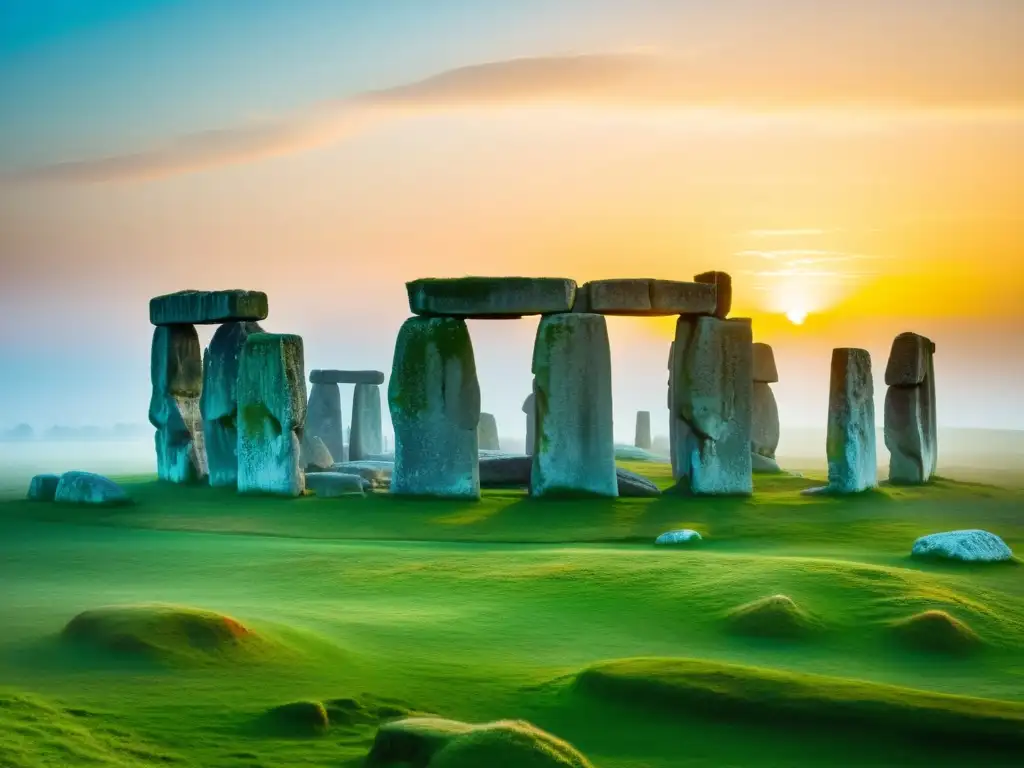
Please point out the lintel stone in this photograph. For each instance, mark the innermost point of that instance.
(646, 297)
(208, 307)
(346, 377)
(490, 297)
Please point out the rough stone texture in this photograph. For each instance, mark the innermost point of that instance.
(366, 437)
(487, 433)
(314, 455)
(176, 373)
(505, 471)
(763, 465)
(971, 546)
(632, 453)
(673, 418)
(43, 487)
(630, 484)
(908, 360)
(376, 473)
(87, 488)
(573, 381)
(931, 424)
(910, 457)
(712, 393)
(723, 286)
(645, 297)
(765, 432)
(530, 409)
(324, 419)
(491, 297)
(642, 437)
(330, 484)
(434, 398)
(218, 403)
(346, 377)
(207, 307)
(271, 414)
(765, 370)
(682, 536)
(852, 458)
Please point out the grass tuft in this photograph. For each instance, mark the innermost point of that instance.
(776, 617)
(936, 632)
(300, 719)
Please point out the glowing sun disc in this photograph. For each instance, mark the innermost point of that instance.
(796, 316)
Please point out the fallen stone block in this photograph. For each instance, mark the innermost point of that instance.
(333, 484)
(208, 307)
(490, 297)
(969, 546)
(630, 484)
(681, 536)
(505, 471)
(376, 473)
(89, 488)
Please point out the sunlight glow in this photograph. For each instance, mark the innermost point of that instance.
(796, 316)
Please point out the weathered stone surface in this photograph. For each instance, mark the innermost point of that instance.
(712, 393)
(632, 453)
(366, 437)
(642, 437)
(852, 457)
(971, 546)
(376, 473)
(271, 414)
(207, 307)
(723, 287)
(630, 484)
(218, 404)
(176, 373)
(314, 455)
(908, 360)
(910, 457)
(43, 487)
(331, 484)
(682, 536)
(324, 419)
(491, 297)
(763, 465)
(434, 398)
(530, 409)
(487, 433)
(505, 471)
(673, 418)
(572, 372)
(928, 409)
(331, 376)
(88, 488)
(765, 431)
(765, 370)
(646, 297)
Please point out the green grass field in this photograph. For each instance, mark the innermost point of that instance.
(797, 633)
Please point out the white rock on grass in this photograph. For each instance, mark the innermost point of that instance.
(970, 546)
(87, 488)
(682, 536)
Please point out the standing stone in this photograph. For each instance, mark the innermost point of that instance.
(323, 417)
(271, 414)
(366, 437)
(487, 432)
(765, 430)
(712, 392)
(852, 458)
(575, 450)
(176, 371)
(434, 399)
(642, 438)
(530, 409)
(910, 430)
(673, 419)
(219, 402)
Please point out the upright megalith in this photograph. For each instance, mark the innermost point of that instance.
(487, 432)
(575, 450)
(910, 429)
(765, 430)
(642, 438)
(271, 414)
(852, 456)
(530, 409)
(219, 401)
(323, 416)
(711, 392)
(434, 399)
(366, 437)
(176, 372)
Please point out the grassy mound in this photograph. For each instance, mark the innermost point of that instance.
(768, 695)
(297, 718)
(430, 742)
(936, 632)
(166, 633)
(776, 616)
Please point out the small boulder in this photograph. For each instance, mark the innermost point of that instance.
(632, 484)
(87, 488)
(970, 546)
(681, 536)
(377, 473)
(315, 456)
(43, 487)
(331, 484)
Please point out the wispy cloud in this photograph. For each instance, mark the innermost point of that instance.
(633, 79)
(788, 232)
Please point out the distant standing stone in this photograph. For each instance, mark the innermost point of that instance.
(272, 412)
(910, 428)
(723, 287)
(88, 488)
(208, 307)
(530, 409)
(176, 373)
(488, 433)
(572, 371)
(971, 546)
(434, 398)
(765, 432)
(490, 297)
(682, 536)
(43, 487)
(642, 438)
(332, 484)
(324, 419)
(366, 438)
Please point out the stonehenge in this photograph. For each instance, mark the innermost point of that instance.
(909, 426)
(642, 437)
(765, 430)
(324, 417)
(366, 435)
(487, 433)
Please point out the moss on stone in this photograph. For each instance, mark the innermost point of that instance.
(449, 336)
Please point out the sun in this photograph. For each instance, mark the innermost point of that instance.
(797, 316)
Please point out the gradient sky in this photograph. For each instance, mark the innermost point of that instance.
(862, 163)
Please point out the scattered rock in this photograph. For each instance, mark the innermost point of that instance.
(487, 433)
(969, 546)
(630, 484)
(367, 436)
(682, 536)
(176, 373)
(573, 387)
(208, 307)
(331, 484)
(87, 488)
(330, 376)
(324, 419)
(723, 291)
(642, 437)
(315, 456)
(490, 297)
(43, 487)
